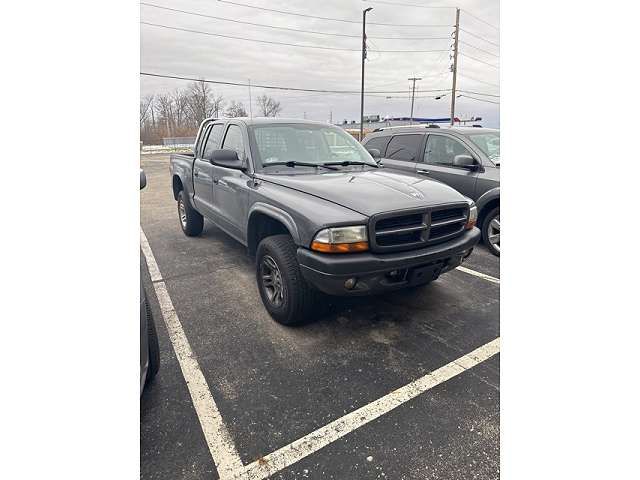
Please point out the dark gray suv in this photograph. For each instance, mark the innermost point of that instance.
(465, 158)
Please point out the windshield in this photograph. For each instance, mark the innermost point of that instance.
(488, 142)
(306, 143)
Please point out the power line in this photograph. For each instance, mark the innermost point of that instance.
(480, 93)
(408, 4)
(275, 87)
(435, 7)
(283, 12)
(480, 81)
(249, 39)
(407, 51)
(270, 42)
(479, 49)
(479, 37)
(277, 27)
(479, 19)
(478, 60)
(480, 99)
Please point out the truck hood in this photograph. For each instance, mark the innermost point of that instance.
(371, 191)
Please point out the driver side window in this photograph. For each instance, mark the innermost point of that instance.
(441, 150)
(212, 141)
(233, 140)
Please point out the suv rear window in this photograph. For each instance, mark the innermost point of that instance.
(404, 147)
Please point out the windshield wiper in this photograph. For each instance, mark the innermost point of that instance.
(294, 163)
(346, 163)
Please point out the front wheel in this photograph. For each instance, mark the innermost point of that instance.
(191, 221)
(491, 231)
(286, 295)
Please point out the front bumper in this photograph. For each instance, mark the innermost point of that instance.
(375, 273)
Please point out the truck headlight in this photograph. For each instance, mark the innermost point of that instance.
(341, 240)
(473, 217)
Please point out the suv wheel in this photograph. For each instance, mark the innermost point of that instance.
(491, 231)
(191, 221)
(286, 295)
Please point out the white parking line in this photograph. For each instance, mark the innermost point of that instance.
(221, 446)
(478, 274)
(217, 436)
(314, 441)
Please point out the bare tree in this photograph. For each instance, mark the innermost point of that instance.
(269, 106)
(236, 109)
(202, 102)
(180, 111)
(166, 111)
(146, 108)
(217, 105)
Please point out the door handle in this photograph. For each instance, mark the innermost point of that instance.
(216, 179)
(423, 172)
(195, 173)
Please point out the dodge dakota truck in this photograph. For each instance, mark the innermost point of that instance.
(317, 212)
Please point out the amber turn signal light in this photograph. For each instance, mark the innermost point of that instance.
(340, 247)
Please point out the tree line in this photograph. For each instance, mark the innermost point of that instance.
(179, 113)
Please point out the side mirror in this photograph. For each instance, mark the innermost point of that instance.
(465, 161)
(374, 152)
(227, 159)
(143, 179)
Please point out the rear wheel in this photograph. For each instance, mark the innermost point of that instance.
(491, 231)
(191, 221)
(286, 295)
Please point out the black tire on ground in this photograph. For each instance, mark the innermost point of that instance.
(485, 230)
(154, 347)
(300, 300)
(193, 222)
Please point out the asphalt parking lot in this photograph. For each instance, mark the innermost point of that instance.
(273, 385)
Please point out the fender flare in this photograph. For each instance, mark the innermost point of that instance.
(277, 214)
(182, 174)
(487, 197)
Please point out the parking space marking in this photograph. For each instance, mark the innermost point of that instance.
(218, 439)
(314, 441)
(489, 278)
(223, 451)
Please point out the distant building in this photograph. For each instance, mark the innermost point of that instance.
(179, 141)
(371, 122)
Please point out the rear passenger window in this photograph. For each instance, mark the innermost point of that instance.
(404, 147)
(213, 141)
(379, 143)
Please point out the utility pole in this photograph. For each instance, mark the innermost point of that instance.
(455, 66)
(413, 93)
(364, 56)
(250, 108)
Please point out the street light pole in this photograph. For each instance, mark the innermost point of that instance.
(455, 67)
(364, 56)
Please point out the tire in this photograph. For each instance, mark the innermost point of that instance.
(491, 221)
(191, 221)
(154, 346)
(299, 300)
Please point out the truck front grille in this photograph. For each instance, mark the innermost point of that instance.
(417, 228)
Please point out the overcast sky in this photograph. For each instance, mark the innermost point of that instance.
(187, 54)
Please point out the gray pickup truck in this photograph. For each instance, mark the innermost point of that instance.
(317, 212)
